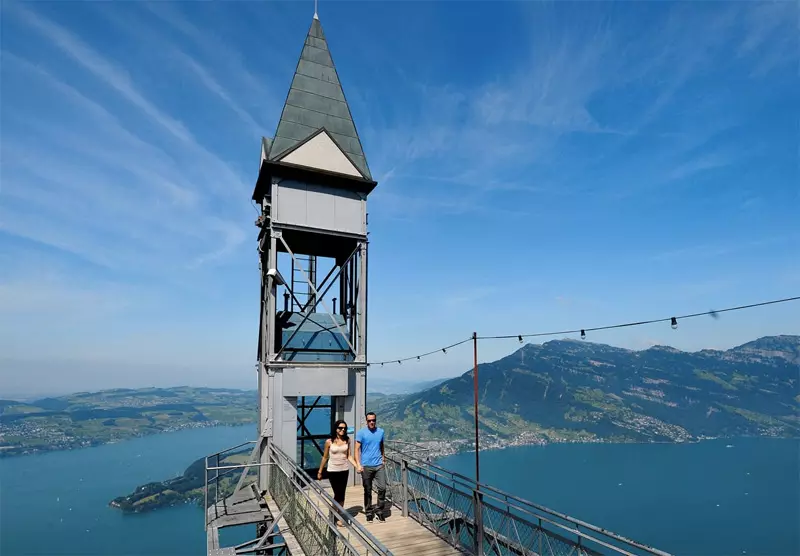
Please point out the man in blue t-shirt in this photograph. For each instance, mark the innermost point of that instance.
(369, 457)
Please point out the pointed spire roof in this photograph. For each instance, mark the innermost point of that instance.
(316, 101)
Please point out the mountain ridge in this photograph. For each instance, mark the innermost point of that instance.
(577, 390)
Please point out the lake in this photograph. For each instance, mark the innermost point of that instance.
(689, 499)
(696, 499)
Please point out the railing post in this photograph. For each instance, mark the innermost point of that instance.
(541, 534)
(404, 479)
(477, 502)
(216, 489)
(205, 495)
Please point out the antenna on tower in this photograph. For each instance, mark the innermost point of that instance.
(315, 10)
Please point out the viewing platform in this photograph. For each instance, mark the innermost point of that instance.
(401, 535)
(432, 512)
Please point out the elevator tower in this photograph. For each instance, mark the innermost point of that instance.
(312, 189)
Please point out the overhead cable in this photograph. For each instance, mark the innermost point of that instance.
(672, 320)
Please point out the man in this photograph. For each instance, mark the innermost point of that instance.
(369, 457)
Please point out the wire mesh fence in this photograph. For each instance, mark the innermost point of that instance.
(480, 519)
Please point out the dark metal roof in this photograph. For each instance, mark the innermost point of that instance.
(315, 101)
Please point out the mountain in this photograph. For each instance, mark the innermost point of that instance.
(390, 387)
(573, 390)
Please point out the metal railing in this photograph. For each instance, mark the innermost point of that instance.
(216, 488)
(480, 519)
(310, 512)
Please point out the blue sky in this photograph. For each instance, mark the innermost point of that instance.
(541, 166)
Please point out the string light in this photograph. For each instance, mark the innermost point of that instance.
(421, 355)
(672, 320)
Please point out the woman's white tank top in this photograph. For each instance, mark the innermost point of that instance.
(337, 457)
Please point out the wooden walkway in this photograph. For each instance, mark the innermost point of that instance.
(403, 536)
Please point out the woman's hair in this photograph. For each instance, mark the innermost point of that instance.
(334, 435)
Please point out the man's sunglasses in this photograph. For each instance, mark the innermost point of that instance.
(370, 420)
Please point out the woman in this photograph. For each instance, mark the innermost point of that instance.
(337, 454)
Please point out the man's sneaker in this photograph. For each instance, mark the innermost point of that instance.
(369, 519)
(381, 518)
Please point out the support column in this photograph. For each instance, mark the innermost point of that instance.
(267, 388)
(358, 408)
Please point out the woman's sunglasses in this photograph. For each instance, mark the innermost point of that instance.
(341, 428)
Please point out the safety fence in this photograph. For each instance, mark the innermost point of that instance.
(308, 511)
(480, 519)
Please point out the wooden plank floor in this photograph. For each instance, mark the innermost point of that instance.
(402, 535)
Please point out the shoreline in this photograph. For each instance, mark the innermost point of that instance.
(437, 448)
(82, 445)
(456, 447)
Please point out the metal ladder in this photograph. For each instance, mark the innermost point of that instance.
(304, 269)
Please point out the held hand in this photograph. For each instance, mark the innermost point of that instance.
(360, 469)
(319, 475)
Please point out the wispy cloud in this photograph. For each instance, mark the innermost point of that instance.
(214, 86)
(711, 250)
(104, 186)
(601, 86)
(227, 63)
(464, 297)
(111, 74)
(770, 39)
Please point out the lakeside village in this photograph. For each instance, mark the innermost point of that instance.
(25, 438)
(31, 438)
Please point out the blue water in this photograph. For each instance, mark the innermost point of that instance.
(56, 503)
(696, 499)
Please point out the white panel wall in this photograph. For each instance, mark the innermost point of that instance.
(315, 382)
(322, 153)
(288, 442)
(321, 207)
(318, 206)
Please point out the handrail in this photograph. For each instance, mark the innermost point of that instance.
(469, 487)
(288, 504)
(231, 448)
(228, 469)
(340, 513)
(292, 479)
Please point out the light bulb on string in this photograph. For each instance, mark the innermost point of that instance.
(399, 362)
(418, 358)
(520, 339)
(444, 351)
(583, 334)
(674, 323)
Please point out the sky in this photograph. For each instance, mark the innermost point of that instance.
(541, 166)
